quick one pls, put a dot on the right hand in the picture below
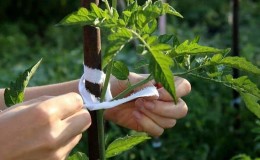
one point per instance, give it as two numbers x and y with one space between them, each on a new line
46 128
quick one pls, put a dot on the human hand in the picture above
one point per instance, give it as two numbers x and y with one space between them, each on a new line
150 114
46 128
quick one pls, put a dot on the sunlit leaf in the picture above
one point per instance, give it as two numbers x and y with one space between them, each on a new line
240 63
252 103
15 93
194 49
78 156
160 69
120 70
248 90
123 144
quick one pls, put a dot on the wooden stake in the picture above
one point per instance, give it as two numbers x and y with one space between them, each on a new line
92 58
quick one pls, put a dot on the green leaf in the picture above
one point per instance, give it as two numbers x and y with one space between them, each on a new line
161 47
248 90
15 93
240 63
78 17
122 34
241 157
191 48
98 11
165 38
150 27
117 40
123 144
252 103
120 70
160 68
78 156
167 9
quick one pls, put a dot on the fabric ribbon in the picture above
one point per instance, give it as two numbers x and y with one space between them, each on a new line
91 102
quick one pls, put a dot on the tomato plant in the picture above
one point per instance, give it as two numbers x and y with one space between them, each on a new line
164 56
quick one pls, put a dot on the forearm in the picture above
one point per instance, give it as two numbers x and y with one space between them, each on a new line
47 90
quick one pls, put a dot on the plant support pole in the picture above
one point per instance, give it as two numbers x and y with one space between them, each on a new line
235 49
92 58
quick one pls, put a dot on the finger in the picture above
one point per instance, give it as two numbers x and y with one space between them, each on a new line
159 120
164 109
147 125
63 106
182 87
28 103
75 124
64 151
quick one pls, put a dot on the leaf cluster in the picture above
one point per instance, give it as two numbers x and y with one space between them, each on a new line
164 55
15 93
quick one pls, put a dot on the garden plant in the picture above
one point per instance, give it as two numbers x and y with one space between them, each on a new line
162 56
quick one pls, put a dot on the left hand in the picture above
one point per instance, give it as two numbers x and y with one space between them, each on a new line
150 114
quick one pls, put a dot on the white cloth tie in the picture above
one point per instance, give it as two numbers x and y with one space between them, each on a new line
96 76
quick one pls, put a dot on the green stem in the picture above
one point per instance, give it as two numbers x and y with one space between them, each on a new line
114 3
131 88
100 114
108 7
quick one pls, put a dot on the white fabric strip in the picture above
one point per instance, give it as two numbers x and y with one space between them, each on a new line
97 77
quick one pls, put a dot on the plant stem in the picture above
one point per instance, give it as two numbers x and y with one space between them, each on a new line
114 4
131 88
100 116
108 7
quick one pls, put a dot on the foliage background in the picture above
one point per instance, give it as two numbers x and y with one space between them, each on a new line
213 129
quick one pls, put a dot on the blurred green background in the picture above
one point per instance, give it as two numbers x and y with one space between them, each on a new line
212 130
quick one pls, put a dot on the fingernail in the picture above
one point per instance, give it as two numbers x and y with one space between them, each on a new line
149 105
137 114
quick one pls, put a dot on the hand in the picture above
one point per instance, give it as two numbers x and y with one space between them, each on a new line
152 114
46 128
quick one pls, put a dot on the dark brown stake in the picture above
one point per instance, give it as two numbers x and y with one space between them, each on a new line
92 58
235 49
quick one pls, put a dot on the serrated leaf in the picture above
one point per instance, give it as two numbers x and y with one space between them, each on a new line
150 27
15 93
165 38
123 144
160 68
120 70
78 156
121 34
78 17
152 40
242 84
240 63
167 9
117 43
189 48
98 11
252 103
248 90
241 157
161 47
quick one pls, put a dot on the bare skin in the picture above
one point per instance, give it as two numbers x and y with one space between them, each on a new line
51 120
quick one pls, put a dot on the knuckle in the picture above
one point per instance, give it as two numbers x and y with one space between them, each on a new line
42 114
76 97
49 143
